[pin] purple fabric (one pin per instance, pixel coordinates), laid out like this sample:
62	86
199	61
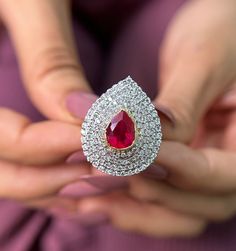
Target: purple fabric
132	51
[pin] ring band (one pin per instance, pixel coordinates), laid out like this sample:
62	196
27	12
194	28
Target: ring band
121	133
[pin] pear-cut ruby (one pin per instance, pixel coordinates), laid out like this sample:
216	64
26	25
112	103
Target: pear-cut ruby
120	132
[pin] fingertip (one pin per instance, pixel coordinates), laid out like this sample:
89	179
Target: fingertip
93	205
165	114
78	103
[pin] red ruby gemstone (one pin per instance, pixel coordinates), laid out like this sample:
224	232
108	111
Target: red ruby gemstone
120	132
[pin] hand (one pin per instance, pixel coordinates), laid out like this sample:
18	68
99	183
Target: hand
32	155
197	65
198	74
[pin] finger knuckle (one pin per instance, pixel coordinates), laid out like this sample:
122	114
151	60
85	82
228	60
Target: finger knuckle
51	61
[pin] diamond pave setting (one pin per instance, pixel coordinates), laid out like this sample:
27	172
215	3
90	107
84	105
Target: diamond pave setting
127	96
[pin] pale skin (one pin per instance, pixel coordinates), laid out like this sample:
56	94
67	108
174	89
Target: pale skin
198	64
198	75
42	36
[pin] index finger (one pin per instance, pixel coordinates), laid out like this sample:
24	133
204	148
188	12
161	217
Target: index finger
46	142
42	35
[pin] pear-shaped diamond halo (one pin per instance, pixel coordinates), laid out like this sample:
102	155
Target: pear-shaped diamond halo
121	133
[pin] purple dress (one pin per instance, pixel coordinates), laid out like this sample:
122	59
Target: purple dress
115	39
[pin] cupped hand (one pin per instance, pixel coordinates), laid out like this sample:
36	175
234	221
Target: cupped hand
32	155
197	68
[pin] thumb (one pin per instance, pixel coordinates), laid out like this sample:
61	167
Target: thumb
43	38
188	88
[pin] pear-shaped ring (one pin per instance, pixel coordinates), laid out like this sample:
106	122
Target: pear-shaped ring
121	133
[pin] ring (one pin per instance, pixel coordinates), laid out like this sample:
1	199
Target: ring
121	133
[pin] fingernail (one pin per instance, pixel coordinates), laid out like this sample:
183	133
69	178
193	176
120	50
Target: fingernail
78	103
76	157
79	190
106	182
229	99
156	172
165	113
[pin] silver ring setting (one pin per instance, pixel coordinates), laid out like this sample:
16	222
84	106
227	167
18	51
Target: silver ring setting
121	133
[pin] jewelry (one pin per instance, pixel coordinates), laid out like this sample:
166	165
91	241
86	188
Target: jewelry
121	133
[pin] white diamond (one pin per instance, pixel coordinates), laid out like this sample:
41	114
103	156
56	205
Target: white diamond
129	96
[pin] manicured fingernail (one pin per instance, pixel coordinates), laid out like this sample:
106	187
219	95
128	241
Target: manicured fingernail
106	182
228	100
165	113
76	157
79	190
78	103
156	172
